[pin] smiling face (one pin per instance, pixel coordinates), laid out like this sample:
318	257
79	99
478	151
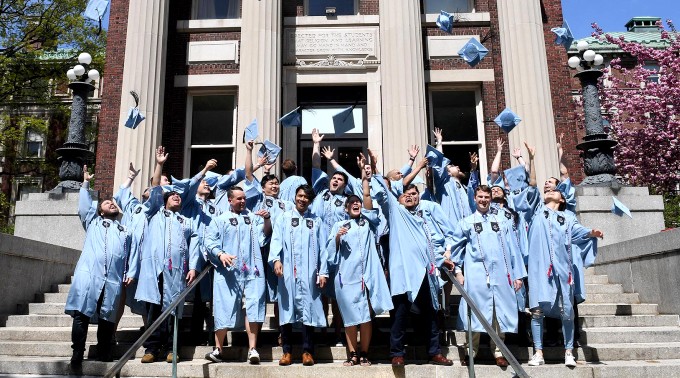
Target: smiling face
410	199
353	207
483	200
394	175
108	209
164	180
203	189
237	200
497	193
554	196
174	202
271	188
302	201
550	184
337	183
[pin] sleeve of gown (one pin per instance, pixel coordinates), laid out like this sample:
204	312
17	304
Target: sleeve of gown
527	202
125	200
459	242
133	256
587	246
319	180
519	271
322	236
213	241
253	191
87	208
473	183
331	248
373	217
276	244
443	222
227	181
155	201
406	169
194	251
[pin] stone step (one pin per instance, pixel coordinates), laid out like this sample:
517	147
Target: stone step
62	288
616	309
596	279
201	369
589	271
623	298
629	321
609	335
134	321
603	289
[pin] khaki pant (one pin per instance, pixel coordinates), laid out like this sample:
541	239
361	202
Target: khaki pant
476	335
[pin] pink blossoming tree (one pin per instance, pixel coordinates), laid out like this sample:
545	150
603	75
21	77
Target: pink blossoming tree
643	114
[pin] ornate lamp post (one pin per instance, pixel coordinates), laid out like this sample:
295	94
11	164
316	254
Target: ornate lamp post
597	149
75	152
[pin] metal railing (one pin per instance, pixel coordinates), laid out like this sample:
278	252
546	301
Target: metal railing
116	368
519	371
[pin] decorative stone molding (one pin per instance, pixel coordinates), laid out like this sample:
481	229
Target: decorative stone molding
332	61
348	44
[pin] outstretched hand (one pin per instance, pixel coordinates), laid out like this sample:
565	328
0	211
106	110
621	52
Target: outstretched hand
438	135
474	160
517	153
531	150
413	151
132	172
327	152
161	156
316	138
86	175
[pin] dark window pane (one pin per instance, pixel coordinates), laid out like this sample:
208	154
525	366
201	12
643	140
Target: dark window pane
455	113
460	156
33	149
347	158
211	9
199	156
212	120
342	7
451	6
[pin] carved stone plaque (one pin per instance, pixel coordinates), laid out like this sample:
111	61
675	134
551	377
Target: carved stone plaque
358	43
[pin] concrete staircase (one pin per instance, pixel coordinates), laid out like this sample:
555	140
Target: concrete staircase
620	337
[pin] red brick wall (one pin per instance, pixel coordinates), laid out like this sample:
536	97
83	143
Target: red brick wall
110	110
369	7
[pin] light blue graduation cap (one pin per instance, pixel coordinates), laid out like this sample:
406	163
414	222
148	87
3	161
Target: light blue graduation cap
619	208
250	132
445	22
473	52
507	120
292	118
517	178
96	9
344	121
211	178
271	149
564	36
135	117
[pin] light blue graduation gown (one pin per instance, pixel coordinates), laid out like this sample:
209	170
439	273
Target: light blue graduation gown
201	212
171	249
224	183
485	249
136	218
456	199
289	186
416	248
241	235
552	236
101	265
256	200
360	277
299	242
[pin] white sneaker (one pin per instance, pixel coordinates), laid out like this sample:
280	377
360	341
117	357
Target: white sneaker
569	360
214	356
536	360
253	357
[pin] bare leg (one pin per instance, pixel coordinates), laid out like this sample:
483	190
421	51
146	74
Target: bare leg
366	333
337	319
252	329
351	336
220	335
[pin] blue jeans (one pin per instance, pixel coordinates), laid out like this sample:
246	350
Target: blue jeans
537	331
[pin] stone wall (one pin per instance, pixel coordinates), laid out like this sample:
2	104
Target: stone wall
648	266
31	267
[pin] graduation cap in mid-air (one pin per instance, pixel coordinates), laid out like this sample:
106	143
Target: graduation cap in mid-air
291	119
344	121
563	36
250	132
619	208
445	22
473	52
95	11
507	120
271	149
135	117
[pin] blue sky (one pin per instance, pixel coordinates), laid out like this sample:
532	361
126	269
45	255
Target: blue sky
612	15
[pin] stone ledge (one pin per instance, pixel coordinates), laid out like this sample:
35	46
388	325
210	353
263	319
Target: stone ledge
605	191
604	202
667	242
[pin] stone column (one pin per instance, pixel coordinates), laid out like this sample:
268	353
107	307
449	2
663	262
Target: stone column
526	82
144	73
402	79
259	94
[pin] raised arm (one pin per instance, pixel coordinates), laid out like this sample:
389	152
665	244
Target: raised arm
316	155
496	165
161	158
411	176
517	154
87	207
365	181
132	174
328	152
123	196
532	172
564	171
249	160
438	139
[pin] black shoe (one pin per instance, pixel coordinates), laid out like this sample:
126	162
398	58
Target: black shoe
76	365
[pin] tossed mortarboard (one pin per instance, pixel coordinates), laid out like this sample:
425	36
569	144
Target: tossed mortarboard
211	178
250	132
292	118
619	208
344	121
507	120
445	22
135	117
517	178
271	149
95	9
473	52
564	36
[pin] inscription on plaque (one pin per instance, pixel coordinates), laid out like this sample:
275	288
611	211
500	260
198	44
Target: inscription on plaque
308	42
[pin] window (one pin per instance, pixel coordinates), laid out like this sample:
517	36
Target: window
216	9
210	130
458	112
34	145
451	6
654	75
342	7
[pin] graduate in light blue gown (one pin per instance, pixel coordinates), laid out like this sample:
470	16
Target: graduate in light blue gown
416	254
100	274
360	284
552	234
493	270
292	181
455	198
298	255
170	261
233	241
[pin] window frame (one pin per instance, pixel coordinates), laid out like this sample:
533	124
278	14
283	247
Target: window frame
188	146
306	10
479	110
194	12
471	5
